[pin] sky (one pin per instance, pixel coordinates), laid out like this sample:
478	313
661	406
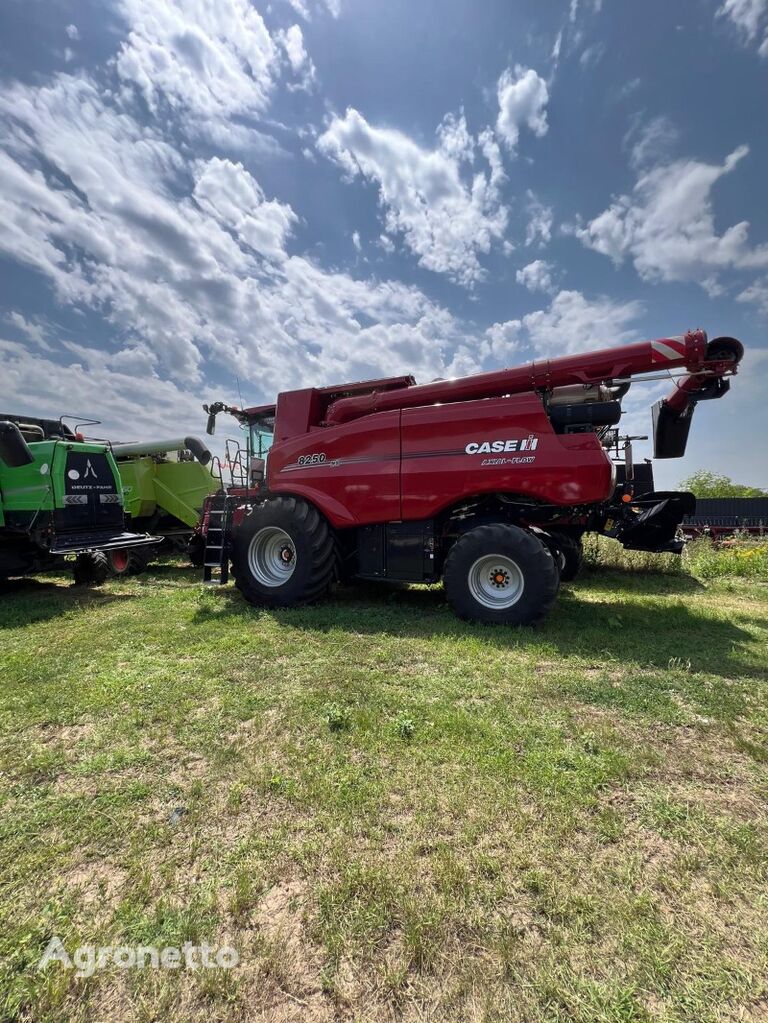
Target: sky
223	199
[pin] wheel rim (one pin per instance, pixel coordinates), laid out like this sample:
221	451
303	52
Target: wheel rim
272	556
496	581
119	561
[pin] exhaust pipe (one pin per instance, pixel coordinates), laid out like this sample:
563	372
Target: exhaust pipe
159	447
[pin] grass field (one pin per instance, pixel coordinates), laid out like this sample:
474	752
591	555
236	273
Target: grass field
387	813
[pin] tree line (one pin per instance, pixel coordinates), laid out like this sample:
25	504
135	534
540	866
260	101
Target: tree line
713	484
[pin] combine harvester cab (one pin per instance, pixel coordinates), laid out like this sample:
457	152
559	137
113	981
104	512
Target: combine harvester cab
59	495
487	482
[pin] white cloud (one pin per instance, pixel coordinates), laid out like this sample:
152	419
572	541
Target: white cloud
133	245
102	385
503	340
445	220
489	147
292	41
235	200
540	221
306	10
750	18
301	9
536	276
191	261
592	54
455	140
72	32
651	142
573	323
523	99
30	329
556	48
211	61
756	294
356	240
196	268
667	228
628	88
570	323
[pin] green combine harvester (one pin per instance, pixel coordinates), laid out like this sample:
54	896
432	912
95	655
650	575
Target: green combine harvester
163	495
60	497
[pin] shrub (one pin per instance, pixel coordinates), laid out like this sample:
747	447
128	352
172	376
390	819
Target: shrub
339	718
747	558
405	727
602	552
741	556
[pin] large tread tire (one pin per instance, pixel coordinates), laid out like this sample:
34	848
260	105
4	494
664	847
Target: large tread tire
315	552
130	560
91	568
570	554
549	543
533	559
139	558
196	550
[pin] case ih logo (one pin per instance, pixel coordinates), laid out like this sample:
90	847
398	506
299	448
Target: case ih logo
497	447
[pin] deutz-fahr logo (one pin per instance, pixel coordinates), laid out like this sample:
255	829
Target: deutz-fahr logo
496	447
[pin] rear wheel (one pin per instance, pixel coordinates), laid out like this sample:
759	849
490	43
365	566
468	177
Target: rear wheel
91	568
569	552
284	553
129	560
501	574
118	562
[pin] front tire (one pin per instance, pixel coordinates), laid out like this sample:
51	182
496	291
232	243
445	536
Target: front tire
502	575
91	568
196	550
284	554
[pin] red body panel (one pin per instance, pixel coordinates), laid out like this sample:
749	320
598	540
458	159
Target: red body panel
438	472
413	464
357	479
387	450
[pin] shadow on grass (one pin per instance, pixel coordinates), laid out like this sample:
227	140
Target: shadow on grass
27	587
625	623
624	629
29	600
643	581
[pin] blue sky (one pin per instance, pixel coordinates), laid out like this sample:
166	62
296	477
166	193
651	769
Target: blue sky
307	191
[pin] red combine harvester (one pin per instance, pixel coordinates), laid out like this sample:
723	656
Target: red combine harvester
487	482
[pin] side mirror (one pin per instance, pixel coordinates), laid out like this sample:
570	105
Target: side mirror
14	450
210	429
